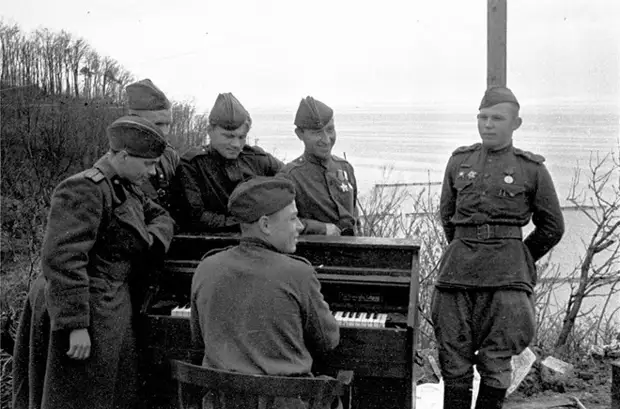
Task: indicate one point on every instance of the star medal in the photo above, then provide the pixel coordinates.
(343, 186)
(472, 174)
(508, 179)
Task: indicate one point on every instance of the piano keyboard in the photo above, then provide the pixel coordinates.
(181, 311)
(360, 319)
(344, 318)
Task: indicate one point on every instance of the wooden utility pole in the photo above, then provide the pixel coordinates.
(496, 43)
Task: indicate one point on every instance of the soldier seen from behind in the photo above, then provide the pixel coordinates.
(208, 174)
(255, 307)
(325, 184)
(482, 307)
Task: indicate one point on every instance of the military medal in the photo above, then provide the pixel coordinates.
(461, 175)
(472, 174)
(340, 174)
(509, 172)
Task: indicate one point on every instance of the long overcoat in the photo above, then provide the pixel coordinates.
(100, 231)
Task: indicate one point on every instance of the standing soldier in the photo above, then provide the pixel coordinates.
(325, 184)
(76, 345)
(208, 174)
(149, 102)
(482, 308)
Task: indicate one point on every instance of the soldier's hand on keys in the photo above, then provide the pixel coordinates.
(79, 344)
(331, 230)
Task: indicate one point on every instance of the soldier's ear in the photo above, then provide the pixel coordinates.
(263, 224)
(300, 133)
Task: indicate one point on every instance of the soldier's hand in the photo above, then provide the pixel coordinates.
(79, 344)
(331, 230)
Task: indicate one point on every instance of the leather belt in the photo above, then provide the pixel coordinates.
(488, 231)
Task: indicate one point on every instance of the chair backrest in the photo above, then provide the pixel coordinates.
(235, 390)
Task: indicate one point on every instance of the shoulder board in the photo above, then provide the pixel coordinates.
(299, 258)
(215, 251)
(94, 174)
(293, 164)
(255, 149)
(192, 153)
(529, 155)
(469, 148)
(339, 159)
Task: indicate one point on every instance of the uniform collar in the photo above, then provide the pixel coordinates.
(105, 167)
(318, 161)
(256, 242)
(499, 151)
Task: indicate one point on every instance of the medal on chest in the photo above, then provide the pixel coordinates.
(508, 175)
(343, 178)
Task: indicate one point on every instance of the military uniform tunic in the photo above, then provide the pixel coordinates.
(100, 230)
(205, 180)
(501, 188)
(259, 311)
(482, 310)
(157, 188)
(326, 192)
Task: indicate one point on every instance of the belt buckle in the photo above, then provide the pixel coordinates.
(483, 232)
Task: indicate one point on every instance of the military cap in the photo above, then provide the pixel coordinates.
(497, 95)
(228, 112)
(313, 114)
(137, 136)
(145, 96)
(260, 196)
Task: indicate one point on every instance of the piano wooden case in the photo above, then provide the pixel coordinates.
(357, 274)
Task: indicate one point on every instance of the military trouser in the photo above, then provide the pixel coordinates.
(482, 328)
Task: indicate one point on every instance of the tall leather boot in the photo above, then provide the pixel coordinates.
(457, 394)
(490, 398)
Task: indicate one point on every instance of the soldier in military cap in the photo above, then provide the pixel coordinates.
(145, 100)
(257, 307)
(76, 345)
(207, 175)
(482, 308)
(325, 184)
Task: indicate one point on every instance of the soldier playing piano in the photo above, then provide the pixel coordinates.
(482, 307)
(257, 307)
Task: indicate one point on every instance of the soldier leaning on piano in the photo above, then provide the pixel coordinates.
(76, 346)
(482, 308)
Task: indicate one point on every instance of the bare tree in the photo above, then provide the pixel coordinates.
(600, 265)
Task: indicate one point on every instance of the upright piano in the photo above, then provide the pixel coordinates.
(371, 285)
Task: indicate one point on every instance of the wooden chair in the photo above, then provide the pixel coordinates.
(235, 390)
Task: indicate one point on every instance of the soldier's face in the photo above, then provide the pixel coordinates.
(318, 142)
(284, 228)
(228, 143)
(136, 170)
(162, 119)
(496, 125)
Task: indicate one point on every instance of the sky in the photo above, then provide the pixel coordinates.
(271, 53)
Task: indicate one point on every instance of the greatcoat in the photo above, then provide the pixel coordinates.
(100, 231)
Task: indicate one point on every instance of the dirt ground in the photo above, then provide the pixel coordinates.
(590, 385)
